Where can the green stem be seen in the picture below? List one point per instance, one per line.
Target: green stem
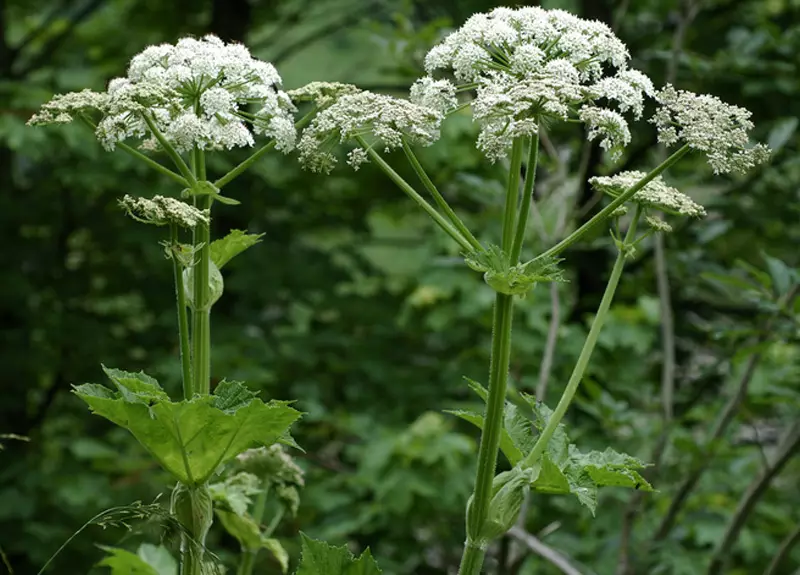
(412, 193)
(588, 347)
(527, 198)
(201, 314)
(603, 214)
(170, 150)
(249, 556)
(183, 321)
(472, 560)
(512, 194)
(440, 201)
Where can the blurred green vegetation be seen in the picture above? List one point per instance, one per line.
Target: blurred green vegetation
(358, 308)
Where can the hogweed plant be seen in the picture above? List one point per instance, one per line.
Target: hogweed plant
(518, 71)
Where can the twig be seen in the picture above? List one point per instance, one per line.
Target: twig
(544, 551)
(786, 449)
(783, 551)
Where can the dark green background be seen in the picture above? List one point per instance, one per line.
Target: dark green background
(357, 307)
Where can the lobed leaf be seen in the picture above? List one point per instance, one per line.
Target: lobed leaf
(190, 439)
(320, 558)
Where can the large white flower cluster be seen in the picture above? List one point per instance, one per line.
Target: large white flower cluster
(708, 124)
(381, 120)
(194, 92)
(530, 64)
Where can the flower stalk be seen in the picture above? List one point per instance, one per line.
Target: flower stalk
(183, 321)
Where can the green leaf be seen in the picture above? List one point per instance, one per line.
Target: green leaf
(225, 249)
(781, 133)
(611, 469)
(122, 562)
(159, 558)
(782, 275)
(507, 446)
(278, 552)
(320, 558)
(550, 478)
(242, 528)
(234, 493)
(204, 188)
(191, 439)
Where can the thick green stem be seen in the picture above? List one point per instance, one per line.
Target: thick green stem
(490, 437)
(414, 195)
(472, 560)
(588, 347)
(439, 199)
(512, 194)
(183, 320)
(527, 199)
(605, 213)
(201, 313)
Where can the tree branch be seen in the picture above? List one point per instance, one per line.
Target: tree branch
(787, 448)
(545, 551)
(783, 551)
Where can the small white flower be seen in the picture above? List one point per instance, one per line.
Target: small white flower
(162, 211)
(655, 194)
(321, 93)
(356, 157)
(707, 124)
(383, 119)
(439, 95)
(609, 125)
(657, 224)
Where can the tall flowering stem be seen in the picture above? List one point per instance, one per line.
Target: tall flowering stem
(201, 315)
(475, 546)
(527, 198)
(588, 346)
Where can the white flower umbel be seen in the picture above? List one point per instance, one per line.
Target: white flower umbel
(708, 124)
(162, 211)
(382, 120)
(532, 64)
(439, 95)
(195, 92)
(321, 93)
(656, 194)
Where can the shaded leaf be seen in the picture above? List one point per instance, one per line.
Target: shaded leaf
(122, 562)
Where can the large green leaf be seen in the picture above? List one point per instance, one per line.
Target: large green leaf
(225, 249)
(190, 439)
(148, 560)
(320, 558)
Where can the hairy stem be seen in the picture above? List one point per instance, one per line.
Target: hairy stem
(414, 195)
(605, 213)
(439, 199)
(183, 320)
(527, 199)
(588, 347)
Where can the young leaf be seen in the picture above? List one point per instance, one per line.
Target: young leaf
(319, 558)
(278, 552)
(234, 493)
(507, 446)
(190, 439)
(610, 468)
(225, 249)
(159, 558)
(242, 528)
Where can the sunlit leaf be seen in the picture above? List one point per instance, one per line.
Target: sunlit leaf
(320, 558)
(225, 249)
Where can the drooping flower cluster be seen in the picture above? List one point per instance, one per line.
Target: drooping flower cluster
(162, 211)
(656, 194)
(321, 93)
(193, 92)
(383, 120)
(531, 64)
(708, 124)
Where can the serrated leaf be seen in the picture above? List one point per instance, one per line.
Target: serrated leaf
(122, 562)
(225, 249)
(611, 469)
(232, 395)
(159, 558)
(558, 447)
(138, 387)
(550, 478)
(320, 558)
(190, 439)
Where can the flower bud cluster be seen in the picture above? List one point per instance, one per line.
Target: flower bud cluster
(656, 194)
(162, 211)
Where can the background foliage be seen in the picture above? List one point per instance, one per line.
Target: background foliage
(357, 307)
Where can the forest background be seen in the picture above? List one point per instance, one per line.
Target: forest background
(341, 308)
